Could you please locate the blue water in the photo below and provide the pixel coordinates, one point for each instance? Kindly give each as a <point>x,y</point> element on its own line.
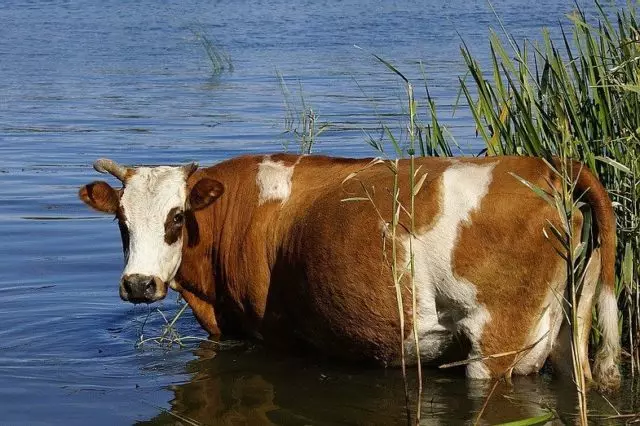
<point>132,81</point>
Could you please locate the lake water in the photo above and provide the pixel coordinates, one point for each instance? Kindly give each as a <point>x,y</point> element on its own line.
<point>132,81</point>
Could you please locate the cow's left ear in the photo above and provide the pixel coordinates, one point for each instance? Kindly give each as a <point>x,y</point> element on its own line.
<point>205,192</point>
<point>101,196</point>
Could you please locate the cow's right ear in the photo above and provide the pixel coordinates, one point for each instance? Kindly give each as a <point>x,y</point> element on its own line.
<point>100,196</point>
<point>205,192</point>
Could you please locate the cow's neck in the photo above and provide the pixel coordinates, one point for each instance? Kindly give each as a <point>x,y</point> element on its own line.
<point>220,239</point>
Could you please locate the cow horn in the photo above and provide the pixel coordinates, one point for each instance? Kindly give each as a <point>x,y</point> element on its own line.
<point>190,169</point>
<point>104,165</point>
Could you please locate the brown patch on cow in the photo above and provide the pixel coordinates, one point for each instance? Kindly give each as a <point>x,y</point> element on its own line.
<point>287,160</point>
<point>124,231</point>
<point>129,174</point>
<point>173,225</point>
<point>203,311</point>
<point>100,196</point>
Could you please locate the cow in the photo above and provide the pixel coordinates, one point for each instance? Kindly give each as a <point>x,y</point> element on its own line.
<point>302,251</point>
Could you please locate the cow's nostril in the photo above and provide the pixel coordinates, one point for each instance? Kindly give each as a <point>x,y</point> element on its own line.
<point>150,287</point>
<point>126,284</point>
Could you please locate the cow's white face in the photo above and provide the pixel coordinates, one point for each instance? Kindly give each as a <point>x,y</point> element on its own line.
<point>152,209</point>
<point>151,217</point>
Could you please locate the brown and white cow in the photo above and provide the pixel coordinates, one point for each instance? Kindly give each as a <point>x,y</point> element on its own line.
<point>267,246</point>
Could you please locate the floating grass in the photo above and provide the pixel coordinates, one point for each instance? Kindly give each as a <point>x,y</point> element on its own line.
<point>169,336</point>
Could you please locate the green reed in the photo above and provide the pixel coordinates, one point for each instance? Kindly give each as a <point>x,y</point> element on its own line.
<point>300,119</point>
<point>219,60</point>
<point>579,100</point>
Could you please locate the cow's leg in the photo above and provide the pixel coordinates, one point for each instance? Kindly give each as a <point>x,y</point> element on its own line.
<point>472,327</point>
<point>524,349</point>
<point>585,305</point>
<point>203,311</point>
<point>485,361</point>
<point>561,358</point>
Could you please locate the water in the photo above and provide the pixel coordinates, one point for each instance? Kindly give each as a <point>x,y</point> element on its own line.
<point>131,81</point>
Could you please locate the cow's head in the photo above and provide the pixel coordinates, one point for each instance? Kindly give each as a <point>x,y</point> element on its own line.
<point>151,208</point>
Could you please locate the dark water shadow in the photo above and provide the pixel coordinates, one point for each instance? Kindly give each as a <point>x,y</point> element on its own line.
<point>255,386</point>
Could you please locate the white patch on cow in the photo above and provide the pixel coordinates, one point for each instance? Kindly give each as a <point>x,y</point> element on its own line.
<point>149,195</point>
<point>608,320</point>
<point>606,364</point>
<point>447,304</point>
<point>274,181</point>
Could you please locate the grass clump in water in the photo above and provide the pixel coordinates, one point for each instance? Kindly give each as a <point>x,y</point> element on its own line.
<point>169,335</point>
<point>300,119</point>
<point>219,60</point>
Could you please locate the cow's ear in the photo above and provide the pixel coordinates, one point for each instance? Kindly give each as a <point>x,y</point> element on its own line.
<point>205,192</point>
<point>100,196</point>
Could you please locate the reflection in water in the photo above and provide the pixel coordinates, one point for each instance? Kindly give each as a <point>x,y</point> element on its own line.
<point>241,400</point>
<point>257,387</point>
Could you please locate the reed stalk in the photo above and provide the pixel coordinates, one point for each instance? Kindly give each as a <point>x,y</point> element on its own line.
<point>396,273</point>
<point>415,184</point>
<point>412,267</point>
<point>300,120</point>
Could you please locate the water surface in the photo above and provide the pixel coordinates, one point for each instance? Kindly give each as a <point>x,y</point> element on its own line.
<point>131,81</point>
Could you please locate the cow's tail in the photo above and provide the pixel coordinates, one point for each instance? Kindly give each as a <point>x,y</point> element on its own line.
<point>605,371</point>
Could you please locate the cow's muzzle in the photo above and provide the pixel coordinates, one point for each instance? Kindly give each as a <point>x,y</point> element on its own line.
<point>136,288</point>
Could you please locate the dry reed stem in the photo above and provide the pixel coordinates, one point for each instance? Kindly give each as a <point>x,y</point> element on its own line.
<point>415,187</point>
<point>486,401</point>
<point>493,356</point>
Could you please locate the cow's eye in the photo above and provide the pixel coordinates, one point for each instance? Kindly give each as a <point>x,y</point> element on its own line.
<point>178,218</point>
